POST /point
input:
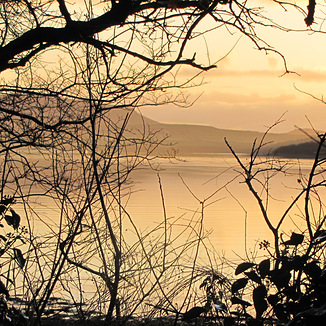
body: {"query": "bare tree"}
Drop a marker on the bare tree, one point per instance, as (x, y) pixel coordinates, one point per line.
(30, 28)
(76, 153)
(286, 286)
(72, 76)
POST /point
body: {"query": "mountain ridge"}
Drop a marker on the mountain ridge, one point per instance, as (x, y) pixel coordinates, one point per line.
(190, 139)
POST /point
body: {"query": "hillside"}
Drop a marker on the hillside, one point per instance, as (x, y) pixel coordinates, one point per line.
(200, 140)
(303, 150)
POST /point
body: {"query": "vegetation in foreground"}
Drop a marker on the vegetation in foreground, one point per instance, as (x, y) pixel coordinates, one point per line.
(285, 286)
(65, 72)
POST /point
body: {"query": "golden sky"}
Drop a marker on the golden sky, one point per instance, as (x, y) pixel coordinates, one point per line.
(247, 90)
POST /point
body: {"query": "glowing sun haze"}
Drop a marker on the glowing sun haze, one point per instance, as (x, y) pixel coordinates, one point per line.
(249, 90)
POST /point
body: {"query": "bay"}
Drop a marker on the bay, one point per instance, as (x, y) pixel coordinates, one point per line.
(194, 189)
(204, 186)
(232, 216)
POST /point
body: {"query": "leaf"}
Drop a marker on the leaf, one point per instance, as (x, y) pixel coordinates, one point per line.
(295, 263)
(264, 267)
(13, 219)
(252, 275)
(19, 257)
(243, 303)
(16, 219)
(295, 240)
(313, 270)
(3, 289)
(2, 208)
(243, 267)
(193, 313)
(280, 277)
(261, 291)
(7, 200)
(259, 298)
(273, 299)
(239, 284)
(292, 293)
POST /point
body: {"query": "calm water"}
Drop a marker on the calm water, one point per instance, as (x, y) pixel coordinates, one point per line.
(230, 211)
(231, 214)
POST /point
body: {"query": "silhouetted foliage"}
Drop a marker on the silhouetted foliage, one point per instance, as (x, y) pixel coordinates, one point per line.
(9, 314)
(72, 76)
(289, 286)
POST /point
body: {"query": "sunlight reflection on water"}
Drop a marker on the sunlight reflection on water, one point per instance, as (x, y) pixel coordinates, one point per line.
(229, 213)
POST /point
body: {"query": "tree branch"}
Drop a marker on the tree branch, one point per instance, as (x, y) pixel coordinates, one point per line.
(13, 54)
(311, 12)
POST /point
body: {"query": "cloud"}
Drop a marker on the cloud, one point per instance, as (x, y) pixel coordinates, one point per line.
(231, 99)
(220, 72)
(299, 73)
(244, 73)
(245, 112)
(311, 75)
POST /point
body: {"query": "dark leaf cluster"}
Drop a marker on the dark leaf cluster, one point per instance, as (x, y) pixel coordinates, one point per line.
(290, 289)
(9, 315)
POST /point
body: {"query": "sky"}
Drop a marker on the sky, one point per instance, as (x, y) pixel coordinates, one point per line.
(249, 91)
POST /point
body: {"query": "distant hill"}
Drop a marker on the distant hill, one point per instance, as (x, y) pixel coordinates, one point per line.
(304, 150)
(202, 140)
